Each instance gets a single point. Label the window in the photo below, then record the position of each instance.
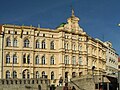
(43, 74)
(43, 44)
(15, 32)
(37, 60)
(24, 58)
(26, 43)
(23, 74)
(66, 59)
(52, 60)
(37, 44)
(15, 42)
(80, 60)
(14, 74)
(43, 60)
(73, 74)
(8, 32)
(14, 59)
(43, 35)
(27, 33)
(8, 42)
(52, 45)
(7, 58)
(37, 74)
(73, 60)
(7, 74)
(28, 59)
(65, 46)
(80, 47)
(52, 75)
(52, 36)
(37, 34)
(73, 47)
(26, 74)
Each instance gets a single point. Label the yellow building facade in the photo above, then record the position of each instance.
(34, 52)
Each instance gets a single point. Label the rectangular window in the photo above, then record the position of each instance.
(74, 60)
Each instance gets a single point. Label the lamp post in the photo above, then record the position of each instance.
(119, 70)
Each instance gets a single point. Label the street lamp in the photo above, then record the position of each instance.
(118, 70)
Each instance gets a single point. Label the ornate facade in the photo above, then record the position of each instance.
(66, 52)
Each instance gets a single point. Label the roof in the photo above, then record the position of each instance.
(61, 25)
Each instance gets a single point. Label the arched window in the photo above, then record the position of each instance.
(43, 74)
(8, 42)
(15, 42)
(26, 43)
(14, 74)
(37, 74)
(37, 60)
(66, 59)
(7, 74)
(52, 75)
(43, 60)
(37, 44)
(28, 59)
(26, 74)
(14, 59)
(7, 58)
(43, 44)
(52, 45)
(52, 60)
(24, 58)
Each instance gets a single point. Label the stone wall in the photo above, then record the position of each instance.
(24, 84)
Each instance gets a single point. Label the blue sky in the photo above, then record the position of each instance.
(99, 18)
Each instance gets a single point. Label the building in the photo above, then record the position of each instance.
(111, 66)
(60, 54)
(111, 60)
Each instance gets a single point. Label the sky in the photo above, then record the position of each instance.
(98, 18)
